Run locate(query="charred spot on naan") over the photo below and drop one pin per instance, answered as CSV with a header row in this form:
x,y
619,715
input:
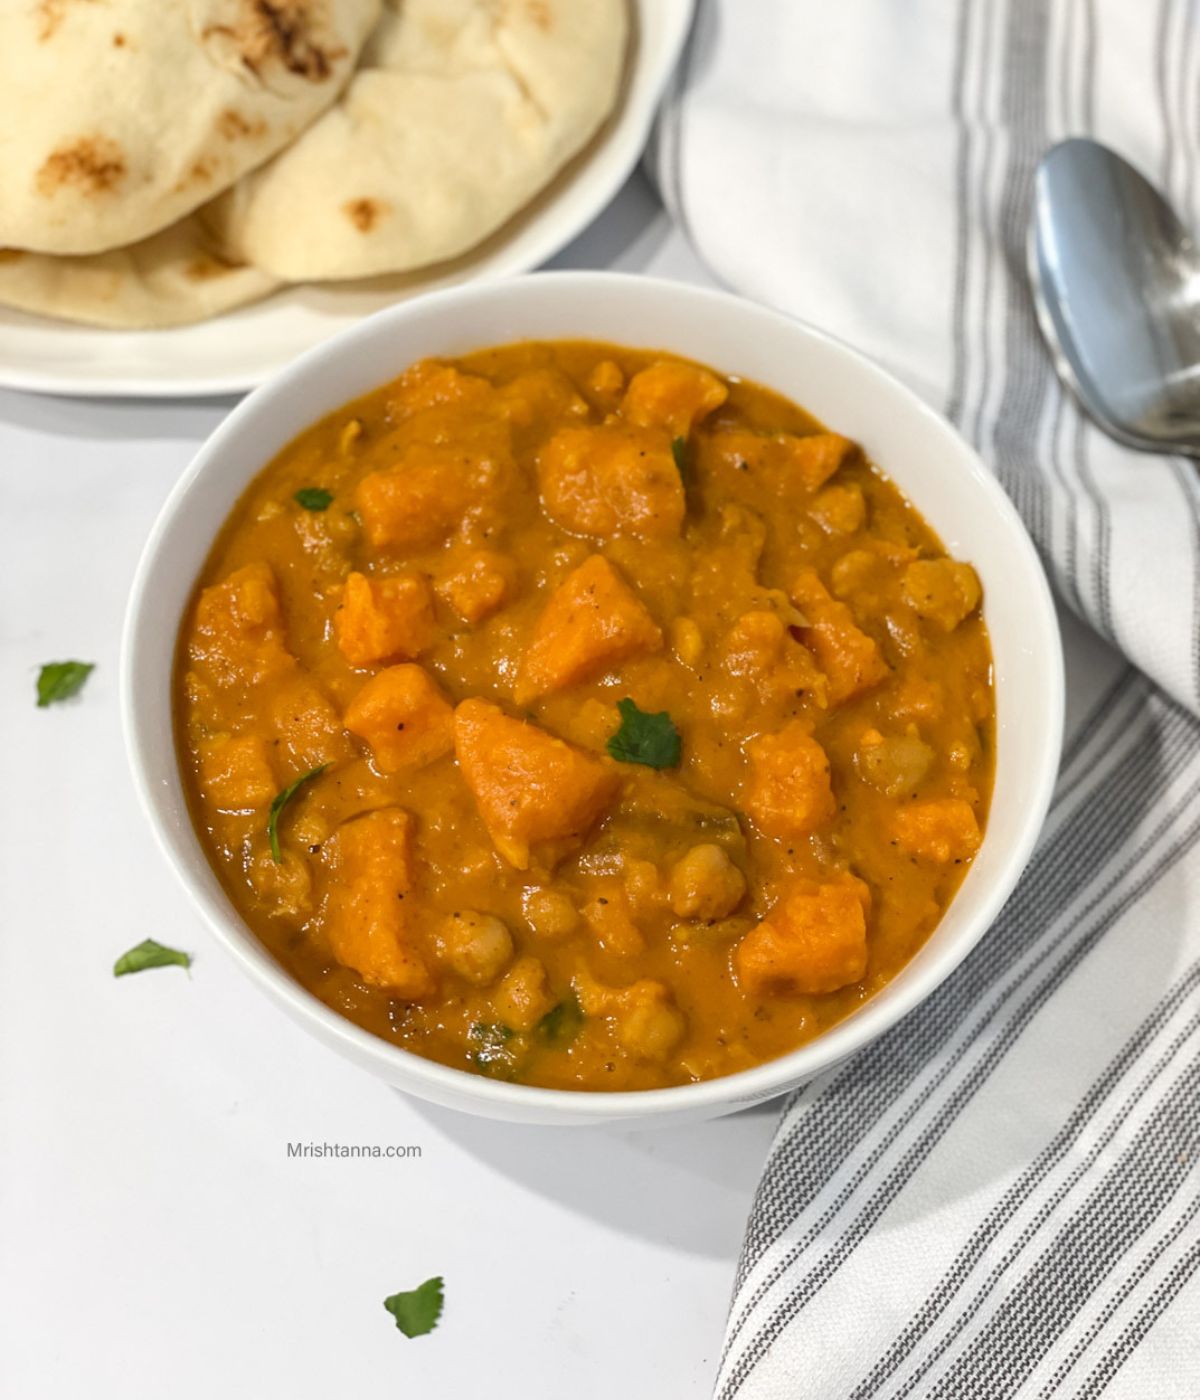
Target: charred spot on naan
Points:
x,y
207,266
51,13
94,165
201,171
364,214
233,126
288,34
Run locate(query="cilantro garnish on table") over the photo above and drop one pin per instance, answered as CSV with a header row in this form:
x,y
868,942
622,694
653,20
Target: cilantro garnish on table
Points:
x,y
150,954
59,680
418,1310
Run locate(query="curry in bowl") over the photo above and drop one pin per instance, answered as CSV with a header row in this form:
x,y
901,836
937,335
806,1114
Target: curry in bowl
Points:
x,y
582,717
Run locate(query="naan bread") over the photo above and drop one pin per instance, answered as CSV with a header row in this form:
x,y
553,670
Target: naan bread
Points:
x,y
459,113
174,277
119,117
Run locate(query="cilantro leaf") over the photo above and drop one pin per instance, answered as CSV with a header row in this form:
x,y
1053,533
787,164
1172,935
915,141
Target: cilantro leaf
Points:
x,y
562,1023
492,1053
313,497
645,738
679,450
417,1311
149,954
59,680
280,801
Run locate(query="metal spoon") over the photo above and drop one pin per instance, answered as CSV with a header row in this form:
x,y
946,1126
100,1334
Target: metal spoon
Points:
x,y
1116,281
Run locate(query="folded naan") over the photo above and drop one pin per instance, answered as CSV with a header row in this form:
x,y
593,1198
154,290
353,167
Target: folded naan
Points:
x,y
169,279
459,113
119,117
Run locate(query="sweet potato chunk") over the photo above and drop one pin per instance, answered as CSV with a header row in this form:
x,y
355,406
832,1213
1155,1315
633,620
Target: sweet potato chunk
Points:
x,y
238,632
404,717
364,915
529,787
783,461
385,619
672,395
477,584
839,510
593,621
305,722
813,941
760,647
943,829
433,384
817,456
236,775
849,658
942,591
788,792
607,380
421,500
543,397
612,480
755,643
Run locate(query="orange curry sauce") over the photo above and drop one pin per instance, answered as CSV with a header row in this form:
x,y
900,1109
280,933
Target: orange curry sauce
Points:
x,y
513,544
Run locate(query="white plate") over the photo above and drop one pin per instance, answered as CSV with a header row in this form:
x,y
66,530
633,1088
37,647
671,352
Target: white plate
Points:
x,y
238,351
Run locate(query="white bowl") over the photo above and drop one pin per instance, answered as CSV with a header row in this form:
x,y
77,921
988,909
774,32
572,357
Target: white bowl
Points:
x,y
920,452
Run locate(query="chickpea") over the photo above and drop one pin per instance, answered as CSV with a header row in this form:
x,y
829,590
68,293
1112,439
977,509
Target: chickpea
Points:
x,y
894,765
960,756
839,510
550,913
649,1024
942,591
524,996
686,641
478,583
705,884
349,436
644,1018
476,946
710,933
610,919
858,571
642,886
755,643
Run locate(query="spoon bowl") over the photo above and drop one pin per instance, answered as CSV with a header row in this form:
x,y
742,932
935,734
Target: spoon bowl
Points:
x,y
1116,283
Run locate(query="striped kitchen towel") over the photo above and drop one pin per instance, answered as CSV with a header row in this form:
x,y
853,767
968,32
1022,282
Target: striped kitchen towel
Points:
x,y
1000,1197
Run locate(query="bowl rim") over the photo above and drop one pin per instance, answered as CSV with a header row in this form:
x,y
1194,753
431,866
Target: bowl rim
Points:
x,y
417,1074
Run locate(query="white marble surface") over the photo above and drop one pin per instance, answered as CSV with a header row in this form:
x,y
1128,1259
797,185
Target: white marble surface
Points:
x,y
155,1238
